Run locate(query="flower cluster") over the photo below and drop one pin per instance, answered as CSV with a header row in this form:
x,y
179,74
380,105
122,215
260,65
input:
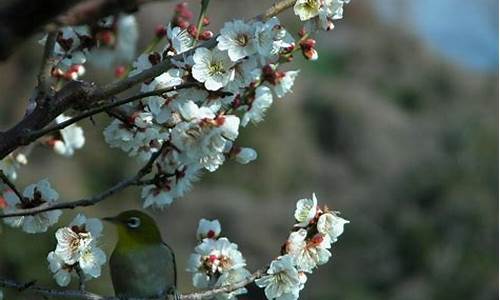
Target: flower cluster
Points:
x,y
107,42
33,196
320,14
68,139
77,250
216,262
211,93
307,247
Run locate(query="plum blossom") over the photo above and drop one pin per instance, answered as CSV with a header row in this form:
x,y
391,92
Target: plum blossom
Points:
x,y
158,196
319,14
245,155
180,40
11,163
237,37
71,138
308,253
122,45
213,68
285,83
62,272
204,137
208,229
332,225
77,247
213,258
34,195
260,102
139,139
282,280
307,9
306,210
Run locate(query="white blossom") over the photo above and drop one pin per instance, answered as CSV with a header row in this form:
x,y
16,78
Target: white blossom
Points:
x,y
123,49
237,37
34,195
262,100
332,225
213,68
203,139
158,196
246,155
306,210
208,229
91,261
70,244
10,164
307,254
140,140
180,40
282,280
270,39
232,277
284,84
62,272
140,64
212,258
307,9
71,138
77,247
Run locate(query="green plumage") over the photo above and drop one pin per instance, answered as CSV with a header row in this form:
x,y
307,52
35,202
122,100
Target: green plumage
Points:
x,y
142,265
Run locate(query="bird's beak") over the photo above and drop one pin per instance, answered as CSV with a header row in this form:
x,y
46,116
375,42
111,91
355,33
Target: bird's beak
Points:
x,y
110,219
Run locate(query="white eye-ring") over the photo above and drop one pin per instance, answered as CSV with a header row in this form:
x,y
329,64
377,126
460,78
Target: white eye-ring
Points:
x,y
134,222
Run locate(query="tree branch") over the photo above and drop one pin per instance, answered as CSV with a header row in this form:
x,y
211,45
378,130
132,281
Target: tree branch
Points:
x,y
46,65
9,183
36,134
134,180
80,294
79,94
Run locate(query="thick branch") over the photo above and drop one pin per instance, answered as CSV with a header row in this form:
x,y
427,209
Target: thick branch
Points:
x,y
106,107
46,65
79,294
81,94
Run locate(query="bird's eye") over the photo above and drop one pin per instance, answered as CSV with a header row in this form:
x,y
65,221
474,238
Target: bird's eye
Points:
x,y
133,222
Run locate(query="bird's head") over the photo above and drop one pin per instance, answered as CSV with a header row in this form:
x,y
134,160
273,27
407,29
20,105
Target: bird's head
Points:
x,y
135,228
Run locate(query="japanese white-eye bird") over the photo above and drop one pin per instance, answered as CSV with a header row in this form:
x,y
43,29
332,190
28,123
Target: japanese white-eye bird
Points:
x,y
141,265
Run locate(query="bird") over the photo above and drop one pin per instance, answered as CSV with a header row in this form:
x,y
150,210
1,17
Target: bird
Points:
x,y
141,265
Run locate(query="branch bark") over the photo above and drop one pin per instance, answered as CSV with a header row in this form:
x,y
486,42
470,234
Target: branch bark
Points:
x,y
80,294
83,95
133,180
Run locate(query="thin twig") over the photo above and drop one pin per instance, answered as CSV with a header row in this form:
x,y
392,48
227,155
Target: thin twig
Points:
x,y
134,180
79,294
105,107
77,92
9,183
81,277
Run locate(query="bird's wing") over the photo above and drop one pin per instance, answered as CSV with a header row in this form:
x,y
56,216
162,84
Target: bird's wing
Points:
x,y
173,262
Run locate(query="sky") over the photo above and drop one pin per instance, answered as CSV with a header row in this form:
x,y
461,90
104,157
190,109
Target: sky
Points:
x,y
466,32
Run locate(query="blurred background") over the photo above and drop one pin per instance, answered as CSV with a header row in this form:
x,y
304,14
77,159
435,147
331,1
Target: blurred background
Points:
x,y
395,126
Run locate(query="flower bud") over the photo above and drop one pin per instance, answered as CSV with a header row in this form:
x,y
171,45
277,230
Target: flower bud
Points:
x,y
160,31
192,30
206,35
120,71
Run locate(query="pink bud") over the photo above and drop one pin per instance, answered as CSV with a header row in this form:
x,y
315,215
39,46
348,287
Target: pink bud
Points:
x,y
120,71
206,35
160,31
